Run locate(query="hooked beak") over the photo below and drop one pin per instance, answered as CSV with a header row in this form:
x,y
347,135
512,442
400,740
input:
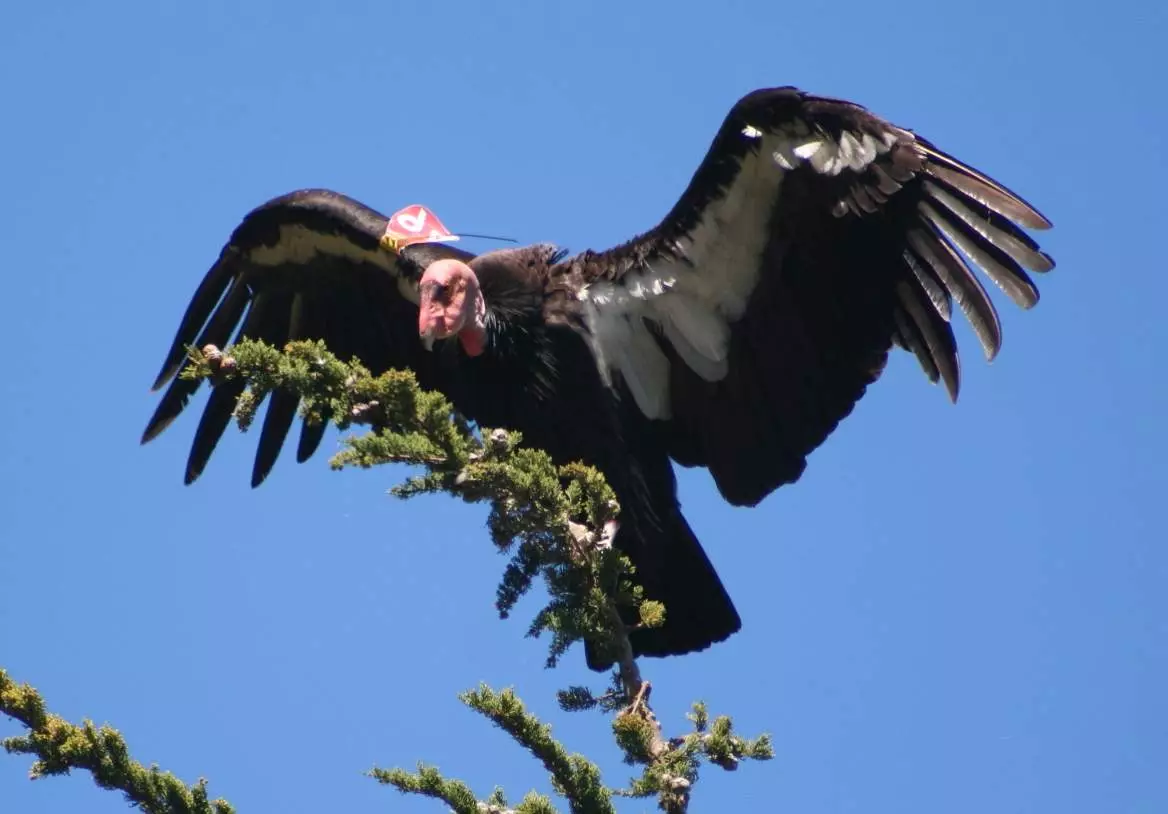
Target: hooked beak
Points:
x,y
427,337
431,323
428,318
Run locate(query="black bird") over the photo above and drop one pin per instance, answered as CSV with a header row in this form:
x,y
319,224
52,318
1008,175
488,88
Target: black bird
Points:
x,y
734,335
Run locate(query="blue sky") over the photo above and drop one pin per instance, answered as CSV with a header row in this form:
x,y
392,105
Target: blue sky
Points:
x,y
957,608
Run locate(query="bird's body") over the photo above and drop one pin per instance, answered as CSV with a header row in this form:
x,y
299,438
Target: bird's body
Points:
x,y
735,335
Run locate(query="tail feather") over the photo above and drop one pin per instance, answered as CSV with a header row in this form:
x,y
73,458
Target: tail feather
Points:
x,y
673,569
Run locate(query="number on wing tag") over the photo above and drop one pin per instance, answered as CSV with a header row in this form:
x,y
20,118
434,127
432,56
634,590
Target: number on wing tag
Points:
x,y
414,224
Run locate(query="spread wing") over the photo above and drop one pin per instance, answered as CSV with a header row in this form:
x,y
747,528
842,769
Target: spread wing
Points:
x,y
307,265
813,236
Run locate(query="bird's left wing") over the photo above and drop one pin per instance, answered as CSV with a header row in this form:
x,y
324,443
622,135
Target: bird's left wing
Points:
x,y
313,264
812,237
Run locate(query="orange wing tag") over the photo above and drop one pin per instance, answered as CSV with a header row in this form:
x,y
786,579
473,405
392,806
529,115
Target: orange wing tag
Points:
x,y
414,224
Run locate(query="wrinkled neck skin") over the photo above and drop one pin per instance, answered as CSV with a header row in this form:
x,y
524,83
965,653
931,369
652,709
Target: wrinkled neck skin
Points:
x,y
473,337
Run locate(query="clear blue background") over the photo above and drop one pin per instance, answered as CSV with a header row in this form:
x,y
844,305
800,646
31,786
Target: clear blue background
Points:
x,y
958,609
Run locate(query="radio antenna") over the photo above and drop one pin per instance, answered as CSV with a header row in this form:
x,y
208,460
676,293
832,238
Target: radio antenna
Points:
x,y
489,237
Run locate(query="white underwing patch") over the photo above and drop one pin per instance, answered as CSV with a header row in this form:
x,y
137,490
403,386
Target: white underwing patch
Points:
x,y
697,294
807,149
830,156
299,245
693,296
857,153
721,254
623,345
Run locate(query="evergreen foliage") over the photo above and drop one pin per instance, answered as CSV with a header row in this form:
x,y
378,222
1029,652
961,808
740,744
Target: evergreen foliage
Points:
x,y
554,522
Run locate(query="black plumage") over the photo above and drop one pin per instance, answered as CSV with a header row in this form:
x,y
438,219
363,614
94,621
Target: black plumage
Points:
x,y
734,335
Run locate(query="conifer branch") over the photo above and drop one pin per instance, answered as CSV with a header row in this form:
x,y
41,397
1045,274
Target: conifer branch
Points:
x,y
555,522
60,747
429,782
573,776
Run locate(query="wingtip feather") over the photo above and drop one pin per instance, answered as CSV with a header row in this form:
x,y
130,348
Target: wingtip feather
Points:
x,y
984,189
209,294
278,420
931,248
997,265
310,437
937,345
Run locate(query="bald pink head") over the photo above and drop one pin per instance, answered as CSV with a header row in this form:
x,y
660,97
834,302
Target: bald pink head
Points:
x,y
451,304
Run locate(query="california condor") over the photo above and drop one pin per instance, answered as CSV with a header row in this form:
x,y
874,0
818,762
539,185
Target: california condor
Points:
x,y
734,335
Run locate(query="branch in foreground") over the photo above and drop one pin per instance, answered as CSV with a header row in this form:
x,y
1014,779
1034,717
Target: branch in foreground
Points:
x,y
559,523
60,747
574,777
554,521
429,782
669,774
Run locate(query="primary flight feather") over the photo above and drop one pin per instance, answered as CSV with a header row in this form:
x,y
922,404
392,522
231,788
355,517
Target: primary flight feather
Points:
x,y
734,335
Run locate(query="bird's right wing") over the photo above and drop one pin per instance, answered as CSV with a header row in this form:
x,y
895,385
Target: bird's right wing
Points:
x,y
312,264
813,235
